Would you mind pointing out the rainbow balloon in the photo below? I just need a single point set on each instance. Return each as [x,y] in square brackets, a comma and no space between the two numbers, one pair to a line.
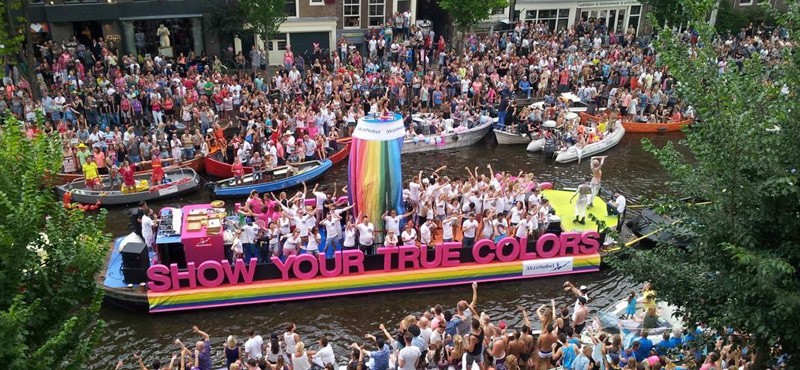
[375,179]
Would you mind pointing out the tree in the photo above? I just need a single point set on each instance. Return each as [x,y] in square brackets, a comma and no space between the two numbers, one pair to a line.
[15,37]
[265,16]
[467,14]
[228,19]
[740,268]
[49,260]
[666,12]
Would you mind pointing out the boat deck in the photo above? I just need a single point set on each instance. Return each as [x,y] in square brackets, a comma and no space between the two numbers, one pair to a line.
[113,277]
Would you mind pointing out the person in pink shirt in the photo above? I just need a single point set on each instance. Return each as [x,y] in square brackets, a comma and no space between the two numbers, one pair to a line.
[238,170]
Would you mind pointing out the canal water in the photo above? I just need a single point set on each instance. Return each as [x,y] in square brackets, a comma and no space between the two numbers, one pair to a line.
[628,169]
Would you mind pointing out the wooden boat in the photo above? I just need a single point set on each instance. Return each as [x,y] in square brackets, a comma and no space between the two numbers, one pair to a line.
[573,153]
[644,127]
[448,140]
[282,177]
[196,164]
[510,138]
[179,181]
[567,248]
[216,166]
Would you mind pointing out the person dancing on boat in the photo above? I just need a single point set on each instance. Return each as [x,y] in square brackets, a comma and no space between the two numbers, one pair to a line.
[597,175]
[583,193]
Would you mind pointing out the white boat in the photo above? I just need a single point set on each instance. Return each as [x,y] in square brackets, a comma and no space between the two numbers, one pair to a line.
[576,104]
[505,137]
[573,153]
[612,318]
[450,139]
[538,144]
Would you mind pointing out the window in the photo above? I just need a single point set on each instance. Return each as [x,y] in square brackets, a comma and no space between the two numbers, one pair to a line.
[556,19]
[290,7]
[351,17]
[316,2]
[745,2]
[403,6]
[376,12]
[277,42]
[633,21]
[496,11]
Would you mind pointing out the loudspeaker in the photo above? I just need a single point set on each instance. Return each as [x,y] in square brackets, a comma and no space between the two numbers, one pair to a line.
[134,255]
[134,275]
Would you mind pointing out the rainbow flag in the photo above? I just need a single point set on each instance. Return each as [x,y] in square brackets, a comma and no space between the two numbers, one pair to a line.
[375,181]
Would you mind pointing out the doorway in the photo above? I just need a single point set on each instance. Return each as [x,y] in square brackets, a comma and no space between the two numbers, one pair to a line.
[86,31]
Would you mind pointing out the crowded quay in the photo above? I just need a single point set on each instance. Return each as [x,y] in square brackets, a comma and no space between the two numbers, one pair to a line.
[416,202]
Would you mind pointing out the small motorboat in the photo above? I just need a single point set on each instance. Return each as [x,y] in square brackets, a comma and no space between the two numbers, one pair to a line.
[217,166]
[505,137]
[177,181]
[573,153]
[457,138]
[613,320]
[196,163]
[276,179]
[543,141]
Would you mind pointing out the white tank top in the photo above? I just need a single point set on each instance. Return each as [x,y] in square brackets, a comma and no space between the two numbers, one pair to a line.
[300,363]
[288,338]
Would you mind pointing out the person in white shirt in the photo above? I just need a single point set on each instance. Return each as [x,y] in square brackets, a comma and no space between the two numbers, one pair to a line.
[349,236]
[447,228]
[332,229]
[148,228]
[253,346]
[390,240]
[409,235]
[617,207]
[425,232]
[366,235]
[469,228]
[392,220]
[324,356]
[300,358]
[314,239]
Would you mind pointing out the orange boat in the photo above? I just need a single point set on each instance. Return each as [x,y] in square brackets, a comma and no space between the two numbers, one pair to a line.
[643,127]
[196,163]
[216,166]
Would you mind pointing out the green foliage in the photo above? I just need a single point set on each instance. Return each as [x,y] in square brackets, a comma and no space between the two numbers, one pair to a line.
[266,16]
[11,37]
[740,269]
[733,20]
[49,260]
[468,13]
[666,12]
[227,17]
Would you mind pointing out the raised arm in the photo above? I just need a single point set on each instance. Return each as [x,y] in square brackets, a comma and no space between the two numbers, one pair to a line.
[202,333]
[386,333]
[474,296]
[139,360]
[491,171]
[525,320]
[469,172]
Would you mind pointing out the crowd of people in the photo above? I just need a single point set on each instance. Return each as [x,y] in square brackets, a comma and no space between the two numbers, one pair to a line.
[463,337]
[116,113]
[127,108]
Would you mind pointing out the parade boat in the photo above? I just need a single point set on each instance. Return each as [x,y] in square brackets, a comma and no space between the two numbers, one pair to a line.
[216,165]
[644,127]
[191,270]
[278,178]
[177,181]
[451,139]
[196,164]
[573,153]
